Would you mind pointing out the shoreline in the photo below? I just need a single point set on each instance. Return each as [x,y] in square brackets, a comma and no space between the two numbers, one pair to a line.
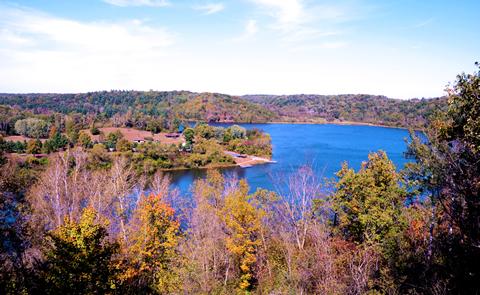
[197,168]
[259,162]
[255,161]
[345,123]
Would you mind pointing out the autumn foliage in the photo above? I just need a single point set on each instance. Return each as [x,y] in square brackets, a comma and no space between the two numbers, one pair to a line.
[71,226]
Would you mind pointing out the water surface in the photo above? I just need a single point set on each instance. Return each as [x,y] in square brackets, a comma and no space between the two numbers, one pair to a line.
[324,147]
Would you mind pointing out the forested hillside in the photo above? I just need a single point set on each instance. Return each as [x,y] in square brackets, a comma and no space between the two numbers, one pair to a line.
[183,105]
[360,108]
[140,107]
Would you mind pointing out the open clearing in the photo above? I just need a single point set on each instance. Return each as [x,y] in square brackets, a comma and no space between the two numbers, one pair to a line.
[132,135]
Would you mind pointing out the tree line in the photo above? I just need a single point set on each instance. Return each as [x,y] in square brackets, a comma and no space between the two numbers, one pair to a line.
[360,108]
[154,110]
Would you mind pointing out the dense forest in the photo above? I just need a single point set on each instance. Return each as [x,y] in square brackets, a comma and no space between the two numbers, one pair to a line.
[361,108]
[211,107]
[70,226]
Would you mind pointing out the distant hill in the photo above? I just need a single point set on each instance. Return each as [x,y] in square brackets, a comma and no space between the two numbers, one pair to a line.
[215,107]
[359,108]
[185,105]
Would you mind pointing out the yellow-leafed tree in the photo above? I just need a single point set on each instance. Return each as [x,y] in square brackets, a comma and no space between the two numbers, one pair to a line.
[243,222]
[79,259]
[153,246]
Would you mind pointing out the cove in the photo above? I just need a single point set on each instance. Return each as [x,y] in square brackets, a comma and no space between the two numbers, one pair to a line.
[323,146]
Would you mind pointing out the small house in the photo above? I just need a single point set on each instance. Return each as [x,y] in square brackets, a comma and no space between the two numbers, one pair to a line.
[138,140]
[172,135]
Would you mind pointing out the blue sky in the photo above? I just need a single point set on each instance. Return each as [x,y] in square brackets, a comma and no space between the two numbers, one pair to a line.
[402,49]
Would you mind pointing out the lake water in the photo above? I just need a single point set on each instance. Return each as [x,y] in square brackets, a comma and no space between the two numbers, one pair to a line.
[324,147]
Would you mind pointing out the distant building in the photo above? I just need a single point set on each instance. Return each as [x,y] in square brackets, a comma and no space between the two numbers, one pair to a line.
[138,140]
[172,135]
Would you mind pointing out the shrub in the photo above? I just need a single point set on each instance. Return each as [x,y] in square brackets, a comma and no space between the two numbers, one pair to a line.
[32,127]
[123,145]
[94,130]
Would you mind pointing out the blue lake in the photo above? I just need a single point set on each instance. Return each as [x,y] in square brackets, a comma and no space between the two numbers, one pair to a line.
[324,147]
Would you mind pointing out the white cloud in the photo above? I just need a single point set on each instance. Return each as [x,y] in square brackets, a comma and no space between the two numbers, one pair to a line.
[251,27]
[307,33]
[320,46]
[285,11]
[306,21]
[291,13]
[49,53]
[211,8]
[151,3]
[250,30]
[43,31]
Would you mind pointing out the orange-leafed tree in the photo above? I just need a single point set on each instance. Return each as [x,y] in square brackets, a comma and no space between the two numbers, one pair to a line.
[53,131]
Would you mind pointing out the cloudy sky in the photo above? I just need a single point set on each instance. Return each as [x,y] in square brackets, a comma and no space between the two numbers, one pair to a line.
[401,49]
